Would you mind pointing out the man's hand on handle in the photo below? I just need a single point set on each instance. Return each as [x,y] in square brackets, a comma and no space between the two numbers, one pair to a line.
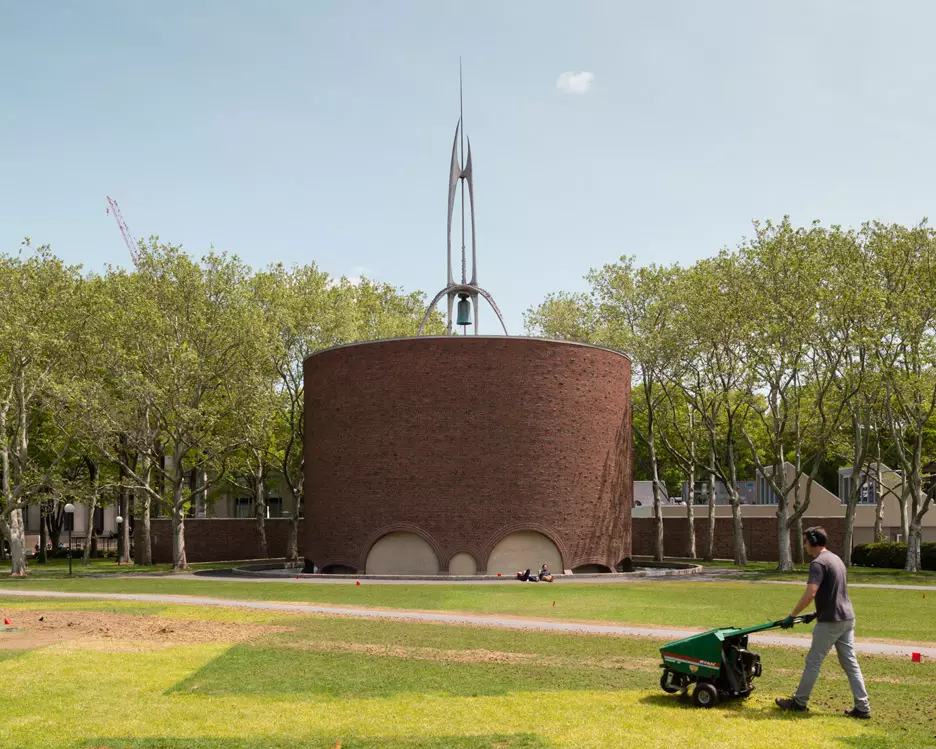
[792,619]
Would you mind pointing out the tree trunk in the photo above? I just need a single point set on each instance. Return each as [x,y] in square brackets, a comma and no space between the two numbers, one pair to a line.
[123,537]
[54,520]
[784,552]
[43,537]
[123,510]
[798,546]
[178,537]
[143,546]
[292,540]
[144,540]
[89,531]
[879,507]
[89,525]
[710,541]
[17,540]
[737,528]
[904,520]
[260,512]
[657,507]
[848,542]
[914,539]
[690,515]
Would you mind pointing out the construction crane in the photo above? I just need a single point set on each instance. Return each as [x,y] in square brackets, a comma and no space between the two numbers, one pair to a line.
[124,229]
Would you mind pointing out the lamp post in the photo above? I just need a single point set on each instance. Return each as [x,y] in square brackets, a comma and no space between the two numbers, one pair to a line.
[70,511]
[119,538]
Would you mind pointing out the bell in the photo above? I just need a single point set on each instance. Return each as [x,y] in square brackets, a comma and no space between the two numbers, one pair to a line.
[464,310]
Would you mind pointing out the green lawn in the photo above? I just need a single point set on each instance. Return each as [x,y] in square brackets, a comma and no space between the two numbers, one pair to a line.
[768,571]
[893,614]
[383,685]
[55,568]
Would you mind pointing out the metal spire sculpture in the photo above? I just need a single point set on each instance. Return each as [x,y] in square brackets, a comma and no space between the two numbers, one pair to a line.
[468,290]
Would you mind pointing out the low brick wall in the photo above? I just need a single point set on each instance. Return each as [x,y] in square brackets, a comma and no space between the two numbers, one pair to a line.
[760,536]
[220,539]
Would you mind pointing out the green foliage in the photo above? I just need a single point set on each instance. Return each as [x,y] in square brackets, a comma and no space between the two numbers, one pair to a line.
[169,379]
[892,555]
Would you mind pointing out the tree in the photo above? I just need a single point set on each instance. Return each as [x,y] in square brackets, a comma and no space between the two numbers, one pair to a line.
[905,261]
[717,327]
[634,313]
[174,383]
[38,330]
[799,280]
[565,317]
[679,429]
[303,311]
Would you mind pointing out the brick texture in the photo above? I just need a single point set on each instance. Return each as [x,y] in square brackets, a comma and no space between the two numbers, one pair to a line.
[219,539]
[463,440]
[760,536]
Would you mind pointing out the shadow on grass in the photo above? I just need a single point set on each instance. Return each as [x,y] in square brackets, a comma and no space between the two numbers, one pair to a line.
[734,707]
[500,741]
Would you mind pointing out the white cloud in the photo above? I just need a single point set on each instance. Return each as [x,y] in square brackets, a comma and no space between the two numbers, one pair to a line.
[354,277]
[575,81]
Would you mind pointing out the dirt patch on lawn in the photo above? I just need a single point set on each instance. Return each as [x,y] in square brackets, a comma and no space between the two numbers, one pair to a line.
[471,656]
[121,632]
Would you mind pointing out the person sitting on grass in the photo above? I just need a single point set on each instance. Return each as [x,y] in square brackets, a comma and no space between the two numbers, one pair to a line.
[545,575]
[827,585]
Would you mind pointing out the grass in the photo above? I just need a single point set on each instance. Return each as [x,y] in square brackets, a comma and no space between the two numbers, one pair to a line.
[874,575]
[55,568]
[377,685]
[651,602]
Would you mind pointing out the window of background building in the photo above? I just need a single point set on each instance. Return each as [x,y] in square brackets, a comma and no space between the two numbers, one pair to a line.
[274,507]
[242,507]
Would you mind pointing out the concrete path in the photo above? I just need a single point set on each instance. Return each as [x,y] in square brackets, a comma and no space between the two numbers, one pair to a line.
[547,625]
[707,576]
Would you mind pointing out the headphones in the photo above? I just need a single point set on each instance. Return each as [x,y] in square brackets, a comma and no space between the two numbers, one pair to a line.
[813,538]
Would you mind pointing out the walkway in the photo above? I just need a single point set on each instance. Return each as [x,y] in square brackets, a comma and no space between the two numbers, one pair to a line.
[463,619]
[706,576]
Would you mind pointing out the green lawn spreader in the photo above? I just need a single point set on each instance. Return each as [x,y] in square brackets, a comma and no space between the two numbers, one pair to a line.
[717,662]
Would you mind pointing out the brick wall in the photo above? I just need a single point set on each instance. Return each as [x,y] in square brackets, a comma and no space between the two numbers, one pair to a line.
[463,440]
[760,536]
[219,539]
[222,539]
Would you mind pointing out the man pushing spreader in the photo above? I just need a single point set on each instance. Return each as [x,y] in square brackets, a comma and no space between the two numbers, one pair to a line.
[827,586]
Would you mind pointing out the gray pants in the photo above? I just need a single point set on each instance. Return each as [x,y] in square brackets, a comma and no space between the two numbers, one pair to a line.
[842,636]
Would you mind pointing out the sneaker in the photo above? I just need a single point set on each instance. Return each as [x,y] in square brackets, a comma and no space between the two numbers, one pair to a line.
[788,703]
[856,713]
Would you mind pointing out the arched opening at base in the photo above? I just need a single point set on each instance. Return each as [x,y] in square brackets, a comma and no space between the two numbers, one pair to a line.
[625,565]
[463,563]
[402,553]
[591,569]
[338,569]
[524,550]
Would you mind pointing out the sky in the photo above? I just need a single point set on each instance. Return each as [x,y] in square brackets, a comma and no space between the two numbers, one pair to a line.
[320,130]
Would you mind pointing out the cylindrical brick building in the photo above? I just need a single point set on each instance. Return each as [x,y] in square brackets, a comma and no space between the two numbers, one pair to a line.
[467,455]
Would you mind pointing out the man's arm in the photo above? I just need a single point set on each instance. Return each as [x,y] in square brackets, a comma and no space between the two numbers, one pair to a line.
[807,598]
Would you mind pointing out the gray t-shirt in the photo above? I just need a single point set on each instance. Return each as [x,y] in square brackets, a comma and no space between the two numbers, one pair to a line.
[832,602]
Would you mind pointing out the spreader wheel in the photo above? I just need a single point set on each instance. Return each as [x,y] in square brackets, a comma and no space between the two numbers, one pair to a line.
[704,695]
[671,682]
